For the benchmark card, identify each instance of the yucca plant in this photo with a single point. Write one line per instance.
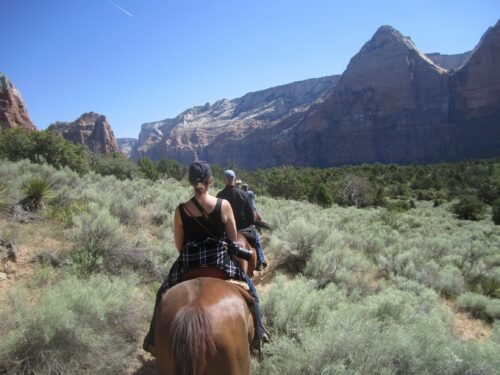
(4, 205)
(36, 192)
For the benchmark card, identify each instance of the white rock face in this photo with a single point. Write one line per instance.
(198, 127)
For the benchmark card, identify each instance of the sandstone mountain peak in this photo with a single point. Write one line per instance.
(393, 104)
(90, 129)
(387, 40)
(13, 111)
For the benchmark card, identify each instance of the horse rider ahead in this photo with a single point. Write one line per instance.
(204, 232)
(245, 215)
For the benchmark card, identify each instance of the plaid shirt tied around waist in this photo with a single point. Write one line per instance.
(210, 252)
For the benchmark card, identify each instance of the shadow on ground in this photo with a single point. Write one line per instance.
(144, 366)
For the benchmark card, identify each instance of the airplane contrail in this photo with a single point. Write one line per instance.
(120, 8)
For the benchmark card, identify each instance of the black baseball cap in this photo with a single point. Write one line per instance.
(199, 171)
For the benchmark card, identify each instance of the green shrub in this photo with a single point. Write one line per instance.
(495, 215)
(116, 166)
(171, 168)
(321, 196)
(399, 206)
(73, 327)
(64, 213)
(473, 303)
(17, 144)
(148, 168)
(469, 207)
(35, 194)
(53, 149)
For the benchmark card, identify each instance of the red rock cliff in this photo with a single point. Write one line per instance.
(90, 129)
(13, 111)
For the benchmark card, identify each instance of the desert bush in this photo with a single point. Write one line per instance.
(301, 239)
(450, 281)
(334, 262)
(73, 327)
(125, 210)
(96, 235)
(36, 193)
(480, 306)
(469, 207)
(394, 332)
(297, 305)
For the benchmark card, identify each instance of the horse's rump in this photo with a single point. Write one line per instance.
(204, 326)
(191, 333)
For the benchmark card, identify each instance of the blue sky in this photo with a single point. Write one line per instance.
(145, 60)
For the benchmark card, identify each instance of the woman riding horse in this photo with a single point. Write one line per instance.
(205, 235)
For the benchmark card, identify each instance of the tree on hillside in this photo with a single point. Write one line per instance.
(321, 195)
(148, 168)
(52, 148)
(469, 207)
(43, 147)
(17, 144)
(495, 215)
(357, 191)
(171, 168)
(117, 166)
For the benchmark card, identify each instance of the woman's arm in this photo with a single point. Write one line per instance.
(178, 230)
(228, 220)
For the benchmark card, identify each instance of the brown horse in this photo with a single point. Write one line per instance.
(204, 326)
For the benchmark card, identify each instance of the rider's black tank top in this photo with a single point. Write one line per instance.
(193, 231)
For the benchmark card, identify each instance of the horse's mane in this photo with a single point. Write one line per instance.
(191, 340)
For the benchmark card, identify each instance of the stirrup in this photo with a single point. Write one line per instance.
(258, 343)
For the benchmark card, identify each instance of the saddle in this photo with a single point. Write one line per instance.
(209, 271)
(214, 272)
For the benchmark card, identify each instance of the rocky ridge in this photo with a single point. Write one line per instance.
(13, 110)
(90, 129)
(450, 62)
(126, 145)
(189, 135)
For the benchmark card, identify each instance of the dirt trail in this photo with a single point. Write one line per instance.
(466, 326)
(30, 239)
